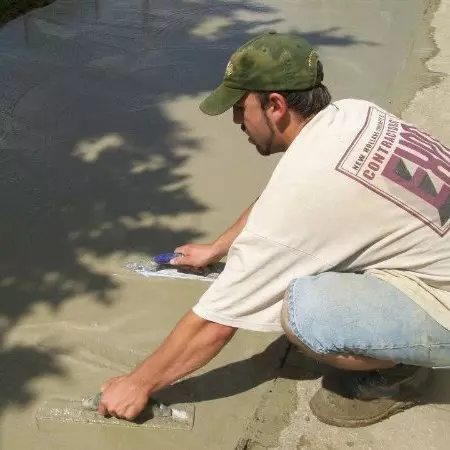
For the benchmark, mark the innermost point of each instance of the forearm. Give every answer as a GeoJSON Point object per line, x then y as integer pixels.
{"type": "Point", "coordinates": [223, 243]}
{"type": "Point", "coordinates": [192, 344]}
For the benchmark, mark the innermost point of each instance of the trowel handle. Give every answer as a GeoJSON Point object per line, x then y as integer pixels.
{"type": "Point", "coordinates": [158, 409]}
{"type": "Point", "coordinates": [165, 258]}
{"type": "Point", "coordinates": [92, 401]}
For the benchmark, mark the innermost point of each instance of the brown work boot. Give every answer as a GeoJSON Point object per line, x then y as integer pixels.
{"type": "Point", "coordinates": [357, 399]}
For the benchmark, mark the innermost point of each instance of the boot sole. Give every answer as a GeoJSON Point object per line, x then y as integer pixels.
{"type": "Point", "coordinates": [357, 423]}
{"type": "Point", "coordinates": [415, 398]}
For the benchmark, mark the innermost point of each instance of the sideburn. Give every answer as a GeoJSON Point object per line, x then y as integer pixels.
{"type": "Point", "coordinates": [271, 128]}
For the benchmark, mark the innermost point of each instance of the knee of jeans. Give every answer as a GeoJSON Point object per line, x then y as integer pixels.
{"type": "Point", "coordinates": [310, 317]}
{"type": "Point", "coordinates": [285, 322]}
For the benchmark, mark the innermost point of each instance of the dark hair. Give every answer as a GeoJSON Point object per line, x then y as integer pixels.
{"type": "Point", "coordinates": [304, 103]}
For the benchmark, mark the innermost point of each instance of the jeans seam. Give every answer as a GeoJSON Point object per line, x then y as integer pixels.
{"type": "Point", "coordinates": [404, 346]}
{"type": "Point", "coordinates": [391, 347]}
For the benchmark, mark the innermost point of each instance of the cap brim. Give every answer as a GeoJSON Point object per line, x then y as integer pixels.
{"type": "Point", "coordinates": [221, 100]}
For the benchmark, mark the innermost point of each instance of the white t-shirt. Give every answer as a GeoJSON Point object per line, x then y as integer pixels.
{"type": "Point", "coordinates": [357, 190]}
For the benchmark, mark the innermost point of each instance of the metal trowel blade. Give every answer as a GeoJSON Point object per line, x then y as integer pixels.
{"type": "Point", "coordinates": [59, 411]}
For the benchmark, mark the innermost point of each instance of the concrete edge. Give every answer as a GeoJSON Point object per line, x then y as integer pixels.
{"type": "Point", "coordinates": [416, 75]}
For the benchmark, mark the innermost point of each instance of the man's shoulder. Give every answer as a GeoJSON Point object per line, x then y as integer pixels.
{"type": "Point", "coordinates": [341, 117]}
{"type": "Point", "coordinates": [354, 103]}
{"type": "Point", "coordinates": [347, 114]}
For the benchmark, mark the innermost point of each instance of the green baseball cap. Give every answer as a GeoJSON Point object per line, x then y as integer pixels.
{"type": "Point", "coordinates": [270, 62]}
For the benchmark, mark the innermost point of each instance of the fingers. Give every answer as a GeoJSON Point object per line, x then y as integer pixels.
{"type": "Point", "coordinates": [129, 413]}
{"type": "Point", "coordinates": [192, 255]}
{"type": "Point", "coordinates": [190, 261]}
{"type": "Point", "coordinates": [184, 249]}
{"type": "Point", "coordinates": [183, 258]}
{"type": "Point", "coordinates": [178, 260]}
{"type": "Point", "coordinates": [102, 409]}
{"type": "Point", "coordinates": [122, 397]}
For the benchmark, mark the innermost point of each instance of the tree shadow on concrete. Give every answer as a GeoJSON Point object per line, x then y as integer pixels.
{"type": "Point", "coordinates": [91, 163]}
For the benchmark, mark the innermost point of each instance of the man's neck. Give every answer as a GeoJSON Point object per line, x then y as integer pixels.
{"type": "Point", "coordinates": [295, 127]}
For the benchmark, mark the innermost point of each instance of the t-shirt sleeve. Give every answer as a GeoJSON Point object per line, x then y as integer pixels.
{"type": "Point", "coordinates": [249, 292]}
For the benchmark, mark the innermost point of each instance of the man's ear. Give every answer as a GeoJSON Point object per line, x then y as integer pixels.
{"type": "Point", "coordinates": [277, 107]}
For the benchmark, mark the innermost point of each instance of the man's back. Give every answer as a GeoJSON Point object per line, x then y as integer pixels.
{"type": "Point", "coordinates": [358, 190]}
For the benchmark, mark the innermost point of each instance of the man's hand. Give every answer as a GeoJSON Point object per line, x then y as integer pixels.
{"type": "Point", "coordinates": [192, 343]}
{"type": "Point", "coordinates": [196, 255]}
{"type": "Point", "coordinates": [200, 255]}
{"type": "Point", "coordinates": [124, 397]}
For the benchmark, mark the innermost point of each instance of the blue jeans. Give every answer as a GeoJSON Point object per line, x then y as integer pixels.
{"type": "Point", "coordinates": [359, 314]}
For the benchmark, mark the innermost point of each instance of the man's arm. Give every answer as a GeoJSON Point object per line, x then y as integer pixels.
{"type": "Point", "coordinates": [200, 255]}
{"type": "Point", "coordinates": [193, 343]}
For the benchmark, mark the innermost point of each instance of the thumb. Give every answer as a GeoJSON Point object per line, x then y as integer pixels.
{"type": "Point", "coordinates": [179, 259]}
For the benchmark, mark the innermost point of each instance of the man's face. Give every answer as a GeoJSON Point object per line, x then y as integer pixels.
{"type": "Point", "coordinates": [256, 123]}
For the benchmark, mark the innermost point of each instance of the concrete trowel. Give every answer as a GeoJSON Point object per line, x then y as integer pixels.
{"type": "Point", "coordinates": [84, 411]}
{"type": "Point", "coordinates": [160, 266]}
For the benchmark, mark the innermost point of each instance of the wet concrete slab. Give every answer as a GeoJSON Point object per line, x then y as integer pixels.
{"type": "Point", "coordinates": [106, 159]}
{"type": "Point", "coordinates": [72, 352]}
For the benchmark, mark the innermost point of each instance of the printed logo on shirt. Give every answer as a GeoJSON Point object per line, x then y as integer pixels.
{"type": "Point", "coordinates": [404, 165]}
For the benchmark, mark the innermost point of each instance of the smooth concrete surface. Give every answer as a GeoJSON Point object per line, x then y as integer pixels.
{"type": "Point", "coordinates": [68, 353]}
{"type": "Point", "coordinates": [105, 159]}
